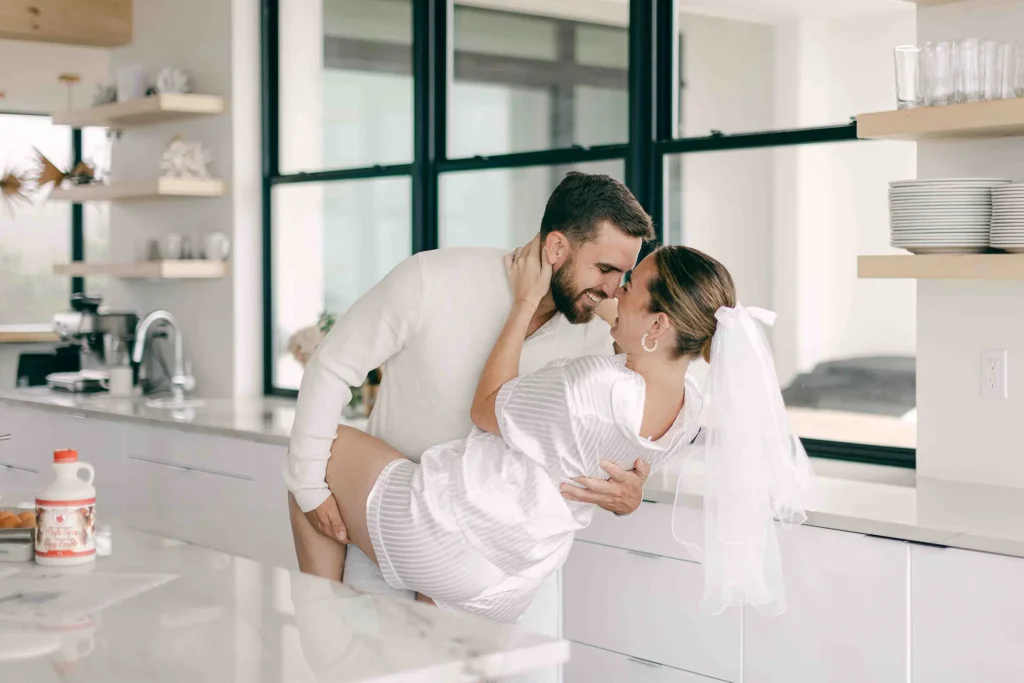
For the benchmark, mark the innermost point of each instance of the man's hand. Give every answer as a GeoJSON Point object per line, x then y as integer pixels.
{"type": "Point", "coordinates": [621, 494]}
{"type": "Point", "coordinates": [326, 519]}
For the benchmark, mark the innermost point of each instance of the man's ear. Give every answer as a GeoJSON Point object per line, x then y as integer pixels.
{"type": "Point", "coordinates": [558, 247]}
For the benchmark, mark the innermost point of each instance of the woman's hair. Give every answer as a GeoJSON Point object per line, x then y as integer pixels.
{"type": "Point", "coordinates": [689, 288]}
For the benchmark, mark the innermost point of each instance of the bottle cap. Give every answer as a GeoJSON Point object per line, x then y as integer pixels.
{"type": "Point", "coordinates": [66, 455]}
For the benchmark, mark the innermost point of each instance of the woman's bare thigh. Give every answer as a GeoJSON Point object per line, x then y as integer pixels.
{"type": "Point", "coordinates": [357, 459]}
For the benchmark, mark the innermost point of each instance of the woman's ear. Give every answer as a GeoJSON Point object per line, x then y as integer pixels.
{"type": "Point", "coordinates": [660, 327]}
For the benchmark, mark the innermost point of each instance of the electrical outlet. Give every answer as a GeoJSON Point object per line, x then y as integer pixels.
{"type": "Point", "coordinates": [993, 374]}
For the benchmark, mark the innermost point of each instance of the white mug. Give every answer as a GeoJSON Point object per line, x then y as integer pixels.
{"type": "Point", "coordinates": [216, 246]}
{"type": "Point", "coordinates": [172, 249]}
{"type": "Point", "coordinates": [120, 381]}
{"type": "Point", "coordinates": [131, 82]}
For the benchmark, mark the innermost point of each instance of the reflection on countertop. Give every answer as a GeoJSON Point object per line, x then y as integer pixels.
{"type": "Point", "coordinates": [264, 420]}
{"type": "Point", "coordinates": [202, 616]}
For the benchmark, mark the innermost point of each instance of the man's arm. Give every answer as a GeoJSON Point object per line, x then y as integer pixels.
{"type": "Point", "coordinates": [375, 328]}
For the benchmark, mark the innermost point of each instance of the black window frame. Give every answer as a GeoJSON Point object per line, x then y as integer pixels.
{"type": "Point", "coordinates": [652, 95]}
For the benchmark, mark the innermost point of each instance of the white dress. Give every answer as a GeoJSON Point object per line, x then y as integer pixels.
{"type": "Point", "coordinates": [480, 522]}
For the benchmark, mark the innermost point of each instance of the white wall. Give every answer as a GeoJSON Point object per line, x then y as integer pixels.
{"type": "Point", "coordinates": [960, 435]}
{"type": "Point", "coordinates": [220, 339]}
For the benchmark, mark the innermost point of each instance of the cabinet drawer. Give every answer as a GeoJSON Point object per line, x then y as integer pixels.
{"type": "Point", "coordinates": [211, 510]}
{"type": "Point", "coordinates": [593, 665]}
{"type": "Point", "coordinates": [648, 607]}
{"type": "Point", "coordinates": [232, 457]}
{"type": "Point", "coordinates": [16, 480]}
{"type": "Point", "coordinates": [648, 530]}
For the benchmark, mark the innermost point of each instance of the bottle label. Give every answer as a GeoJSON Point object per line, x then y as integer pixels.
{"type": "Point", "coordinates": [66, 528]}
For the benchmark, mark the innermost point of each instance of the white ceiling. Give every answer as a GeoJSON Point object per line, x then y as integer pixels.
{"type": "Point", "coordinates": [758, 11]}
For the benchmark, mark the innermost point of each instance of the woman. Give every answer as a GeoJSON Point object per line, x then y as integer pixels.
{"type": "Point", "coordinates": [480, 522]}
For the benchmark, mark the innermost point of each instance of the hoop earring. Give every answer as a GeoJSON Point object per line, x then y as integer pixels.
{"type": "Point", "coordinates": [643, 344]}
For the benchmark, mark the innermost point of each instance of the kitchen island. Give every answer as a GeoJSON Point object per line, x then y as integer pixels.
{"type": "Point", "coordinates": [189, 614]}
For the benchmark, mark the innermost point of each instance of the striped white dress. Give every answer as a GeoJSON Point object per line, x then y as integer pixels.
{"type": "Point", "coordinates": [480, 522]}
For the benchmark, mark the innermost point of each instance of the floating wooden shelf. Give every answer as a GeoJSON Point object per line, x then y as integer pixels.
{"type": "Point", "coordinates": [926, 3]}
{"type": "Point", "coordinates": [996, 118]}
{"type": "Point", "coordinates": [943, 267]}
{"type": "Point", "coordinates": [196, 269]}
{"type": "Point", "coordinates": [135, 190]}
{"type": "Point", "coordinates": [27, 334]}
{"type": "Point", "coordinates": [142, 111]}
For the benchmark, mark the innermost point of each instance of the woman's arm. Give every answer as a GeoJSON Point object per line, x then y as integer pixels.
{"type": "Point", "coordinates": [502, 365]}
{"type": "Point", "coordinates": [530, 277]}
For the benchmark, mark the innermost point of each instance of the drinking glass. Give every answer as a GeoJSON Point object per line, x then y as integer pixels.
{"type": "Point", "coordinates": [1008, 60]}
{"type": "Point", "coordinates": [992, 70]}
{"type": "Point", "coordinates": [938, 69]}
{"type": "Point", "coordinates": [968, 70]}
{"type": "Point", "coordinates": [909, 93]}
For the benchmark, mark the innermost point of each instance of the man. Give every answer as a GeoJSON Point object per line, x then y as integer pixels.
{"type": "Point", "coordinates": [431, 323]}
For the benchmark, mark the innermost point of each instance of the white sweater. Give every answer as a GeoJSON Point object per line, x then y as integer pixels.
{"type": "Point", "coordinates": [431, 322]}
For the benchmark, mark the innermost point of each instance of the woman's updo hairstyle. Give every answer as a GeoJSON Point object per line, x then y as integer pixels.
{"type": "Point", "coordinates": [689, 288]}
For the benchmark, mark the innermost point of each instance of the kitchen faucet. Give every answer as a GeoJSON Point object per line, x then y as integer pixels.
{"type": "Point", "coordinates": [181, 380]}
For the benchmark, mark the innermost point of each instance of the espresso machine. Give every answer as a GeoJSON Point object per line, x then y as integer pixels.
{"type": "Point", "coordinates": [103, 338]}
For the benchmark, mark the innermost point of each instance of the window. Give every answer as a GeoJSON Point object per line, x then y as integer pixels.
{"type": "Point", "coordinates": [33, 235]}
{"type": "Point", "coordinates": [439, 123]}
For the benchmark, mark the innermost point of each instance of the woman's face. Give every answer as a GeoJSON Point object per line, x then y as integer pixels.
{"type": "Point", "coordinates": [634, 316]}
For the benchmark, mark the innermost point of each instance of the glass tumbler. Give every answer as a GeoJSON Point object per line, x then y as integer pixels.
{"type": "Point", "coordinates": [992, 70]}
{"type": "Point", "coordinates": [909, 92]}
{"type": "Point", "coordinates": [968, 70]}
{"type": "Point", "coordinates": [938, 71]}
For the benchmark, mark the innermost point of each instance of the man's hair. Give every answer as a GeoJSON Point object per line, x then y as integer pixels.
{"type": "Point", "coordinates": [582, 201]}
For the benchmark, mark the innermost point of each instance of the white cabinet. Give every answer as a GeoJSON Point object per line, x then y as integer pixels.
{"type": "Point", "coordinates": [222, 493]}
{"type": "Point", "coordinates": [36, 434]}
{"type": "Point", "coordinates": [593, 665]}
{"type": "Point", "coordinates": [646, 606]}
{"type": "Point", "coordinates": [967, 616]}
{"type": "Point", "coordinates": [847, 612]}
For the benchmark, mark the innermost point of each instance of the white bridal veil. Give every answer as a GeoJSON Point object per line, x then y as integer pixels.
{"type": "Point", "coordinates": [756, 470]}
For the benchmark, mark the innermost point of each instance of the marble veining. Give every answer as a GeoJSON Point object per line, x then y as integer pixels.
{"type": "Point", "coordinates": [225, 618]}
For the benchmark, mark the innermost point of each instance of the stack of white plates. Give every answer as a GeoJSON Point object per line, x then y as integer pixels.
{"type": "Point", "coordinates": [942, 215]}
{"type": "Point", "coordinates": [1008, 218]}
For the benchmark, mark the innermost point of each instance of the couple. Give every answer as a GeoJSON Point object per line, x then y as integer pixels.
{"type": "Point", "coordinates": [482, 523]}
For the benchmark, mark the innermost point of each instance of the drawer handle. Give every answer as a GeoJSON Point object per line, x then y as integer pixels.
{"type": "Point", "coordinates": [189, 468]}
{"type": "Point", "coordinates": [639, 553]}
{"type": "Point", "coordinates": [645, 662]}
{"type": "Point", "coordinates": [20, 469]}
{"type": "Point", "coordinates": [6, 437]}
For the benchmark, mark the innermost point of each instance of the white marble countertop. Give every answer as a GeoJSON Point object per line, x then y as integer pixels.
{"type": "Point", "coordinates": [871, 499]}
{"type": "Point", "coordinates": [265, 419]}
{"type": "Point", "coordinates": [213, 618]}
{"type": "Point", "coordinates": [891, 502]}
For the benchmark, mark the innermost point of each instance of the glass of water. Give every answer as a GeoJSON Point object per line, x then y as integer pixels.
{"type": "Point", "coordinates": [909, 92]}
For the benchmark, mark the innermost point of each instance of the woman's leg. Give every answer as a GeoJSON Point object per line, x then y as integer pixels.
{"type": "Point", "coordinates": [318, 555]}
{"type": "Point", "coordinates": [357, 459]}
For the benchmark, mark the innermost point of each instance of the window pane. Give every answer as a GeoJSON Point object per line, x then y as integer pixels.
{"type": "Point", "coordinates": [789, 224]}
{"type": "Point", "coordinates": [503, 207]}
{"type": "Point", "coordinates": [345, 84]}
{"type": "Point", "coordinates": [525, 82]}
{"type": "Point", "coordinates": [96, 150]}
{"type": "Point", "coordinates": [809, 64]}
{"type": "Point", "coordinates": [36, 235]}
{"type": "Point", "coordinates": [331, 243]}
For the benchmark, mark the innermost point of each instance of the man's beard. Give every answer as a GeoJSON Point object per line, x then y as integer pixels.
{"type": "Point", "coordinates": [568, 299]}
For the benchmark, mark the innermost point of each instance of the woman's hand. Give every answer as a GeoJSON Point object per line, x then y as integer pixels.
{"type": "Point", "coordinates": [529, 272]}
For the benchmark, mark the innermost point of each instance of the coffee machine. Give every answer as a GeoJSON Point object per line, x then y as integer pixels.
{"type": "Point", "coordinates": [103, 339]}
